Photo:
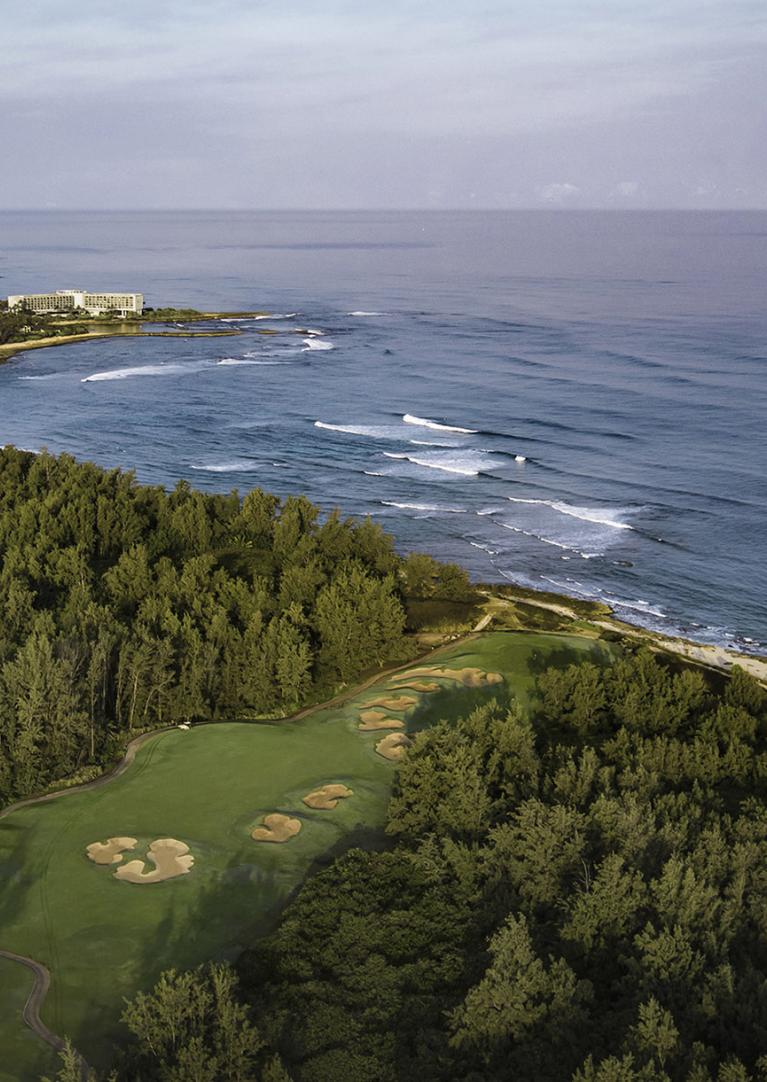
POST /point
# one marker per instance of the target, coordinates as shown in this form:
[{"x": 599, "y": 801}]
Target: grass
[
  {"x": 22, "y": 1054},
  {"x": 103, "y": 939}
]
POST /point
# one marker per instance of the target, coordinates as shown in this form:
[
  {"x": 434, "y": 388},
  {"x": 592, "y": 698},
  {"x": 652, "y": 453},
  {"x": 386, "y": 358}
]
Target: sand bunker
[
  {"x": 170, "y": 858},
  {"x": 393, "y": 746},
  {"x": 276, "y": 828},
  {"x": 110, "y": 852},
  {"x": 470, "y": 678},
  {"x": 421, "y": 687},
  {"x": 376, "y": 719},
  {"x": 399, "y": 702},
  {"x": 327, "y": 797}
]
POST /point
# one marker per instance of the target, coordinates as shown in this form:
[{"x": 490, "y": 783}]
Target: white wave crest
[
  {"x": 424, "y": 422},
  {"x": 601, "y": 516},
  {"x": 376, "y": 432},
  {"x": 468, "y": 465},
  {"x": 144, "y": 370},
  {"x": 237, "y": 362},
  {"x": 365, "y": 313},
  {"x": 314, "y": 343},
  {"x": 278, "y": 315},
  {"x": 549, "y": 541},
  {"x": 425, "y": 507},
  {"x": 240, "y": 466}
]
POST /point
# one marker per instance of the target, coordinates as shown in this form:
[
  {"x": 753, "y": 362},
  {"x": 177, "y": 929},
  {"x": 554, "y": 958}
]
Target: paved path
[{"x": 31, "y": 1012}]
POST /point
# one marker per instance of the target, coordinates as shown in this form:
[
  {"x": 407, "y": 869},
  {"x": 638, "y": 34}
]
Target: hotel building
[{"x": 65, "y": 300}]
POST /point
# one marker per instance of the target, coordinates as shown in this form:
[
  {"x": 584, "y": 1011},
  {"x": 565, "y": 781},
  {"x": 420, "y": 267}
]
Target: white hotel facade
[{"x": 65, "y": 300}]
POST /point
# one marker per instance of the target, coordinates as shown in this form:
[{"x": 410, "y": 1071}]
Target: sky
[{"x": 404, "y": 103}]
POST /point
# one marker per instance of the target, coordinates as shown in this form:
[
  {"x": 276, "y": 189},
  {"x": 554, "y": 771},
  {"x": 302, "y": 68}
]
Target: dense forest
[
  {"x": 576, "y": 897},
  {"x": 124, "y": 607}
]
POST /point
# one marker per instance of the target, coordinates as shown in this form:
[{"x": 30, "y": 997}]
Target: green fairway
[{"x": 103, "y": 939}]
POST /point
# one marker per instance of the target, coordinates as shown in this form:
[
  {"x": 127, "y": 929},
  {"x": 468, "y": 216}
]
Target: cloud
[{"x": 558, "y": 192}]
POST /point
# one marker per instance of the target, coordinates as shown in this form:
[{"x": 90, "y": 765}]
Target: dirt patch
[
  {"x": 110, "y": 851},
  {"x": 470, "y": 678},
  {"x": 393, "y": 746},
  {"x": 376, "y": 719},
  {"x": 170, "y": 858},
  {"x": 276, "y": 828},
  {"x": 327, "y": 796},
  {"x": 399, "y": 702}
]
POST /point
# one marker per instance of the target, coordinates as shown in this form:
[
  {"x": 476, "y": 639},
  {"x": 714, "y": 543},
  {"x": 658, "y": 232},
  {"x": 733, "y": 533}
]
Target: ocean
[{"x": 568, "y": 400}]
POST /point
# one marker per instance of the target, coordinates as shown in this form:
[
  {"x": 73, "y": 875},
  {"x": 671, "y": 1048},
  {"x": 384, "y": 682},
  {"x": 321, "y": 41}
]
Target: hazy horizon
[{"x": 228, "y": 105}]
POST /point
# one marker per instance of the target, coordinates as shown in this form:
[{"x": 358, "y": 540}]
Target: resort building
[{"x": 65, "y": 300}]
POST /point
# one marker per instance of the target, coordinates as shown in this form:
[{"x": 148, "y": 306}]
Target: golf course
[{"x": 196, "y": 846}]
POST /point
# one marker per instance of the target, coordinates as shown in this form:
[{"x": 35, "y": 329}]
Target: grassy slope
[{"x": 103, "y": 939}]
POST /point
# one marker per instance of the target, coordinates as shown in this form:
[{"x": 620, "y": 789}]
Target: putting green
[{"x": 103, "y": 939}]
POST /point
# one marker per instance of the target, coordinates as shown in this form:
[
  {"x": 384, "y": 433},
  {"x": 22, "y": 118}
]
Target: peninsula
[{"x": 36, "y": 321}]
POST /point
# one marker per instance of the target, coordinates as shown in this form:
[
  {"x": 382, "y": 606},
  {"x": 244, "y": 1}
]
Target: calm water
[{"x": 569, "y": 400}]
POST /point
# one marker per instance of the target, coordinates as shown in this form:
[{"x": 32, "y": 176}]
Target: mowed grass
[
  {"x": 103, "y": 939},
  {"x": 22, "y": 1053}
]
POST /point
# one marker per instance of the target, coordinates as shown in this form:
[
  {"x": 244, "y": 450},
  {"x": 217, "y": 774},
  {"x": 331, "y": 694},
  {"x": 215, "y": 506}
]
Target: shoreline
[
  {"x": 133, "y": 329},
  {"x": 599, "y": 617}
]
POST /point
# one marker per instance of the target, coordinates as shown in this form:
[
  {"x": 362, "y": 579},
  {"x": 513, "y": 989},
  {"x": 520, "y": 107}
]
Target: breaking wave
[
  {"x": 425, "y": 507},
  {"x": 424, "y": 422},
  {"x": 144, "y": 370},
  {"x": 365, "y": 313},
  {"x": 601, "y": 516},
  {"x": 466, "y": 464},
  {"x": 240, "y": 466},
  {"x": 314, "y": 343},
  {"x": 549, "y": 541}
]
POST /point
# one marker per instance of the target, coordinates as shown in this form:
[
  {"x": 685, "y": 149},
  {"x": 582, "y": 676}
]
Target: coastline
[
  {"x": 134, "y": 329},
  {"x": 596, "y": 618}
]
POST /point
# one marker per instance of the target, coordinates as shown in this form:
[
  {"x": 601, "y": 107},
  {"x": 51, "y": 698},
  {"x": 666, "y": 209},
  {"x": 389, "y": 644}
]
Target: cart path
[{"x": 31, "y": 1012}]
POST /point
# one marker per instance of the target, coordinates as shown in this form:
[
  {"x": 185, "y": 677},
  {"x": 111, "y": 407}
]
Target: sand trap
[
  {"x": 110, "y": 852},
  {"x": 170, "y": 858},
  {"x": 276, "y": 828},
  {"x": 399, "y": 702},
  {"x": 376, "y": 719},
  {"x": 327, "y": 797},
  {"x": 393, "y": 746},
  {"x": 470, "y": 678},
  {"x": 421, "y": 687}
]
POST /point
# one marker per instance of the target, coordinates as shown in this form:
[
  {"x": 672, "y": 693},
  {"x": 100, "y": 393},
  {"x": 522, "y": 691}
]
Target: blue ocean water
[{"x": 570, "y": 400}]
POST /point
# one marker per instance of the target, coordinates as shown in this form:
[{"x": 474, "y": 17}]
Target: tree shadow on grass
[{"x": 452, "y": 703}]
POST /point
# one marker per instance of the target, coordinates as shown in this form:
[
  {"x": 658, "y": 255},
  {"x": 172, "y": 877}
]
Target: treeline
[
  {"x": 124, "y": 607},
  {"x": 581, "y": 897},
  {"x": 577, "y": 898},
  {"x": 19, "y": 325}
]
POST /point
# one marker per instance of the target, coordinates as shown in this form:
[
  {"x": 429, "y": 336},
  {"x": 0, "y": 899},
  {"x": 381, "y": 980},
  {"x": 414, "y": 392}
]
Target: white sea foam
[
  {"x": 424, "y": 422},
  {"x": 365, "y": 313},
  {"x": 279, "y": 315},
  {"x": 379, "y": 432},
  {"x": 237, "y": 362},
  {"x": 314, "y": 343},
  {"x": 484, "y": 548},
  {"x": 601, "y": 516},
  {"x": 549, "y": 541},
  {"x": 520, "y": 458},
  {"x": 429, "y": 443},
  {"x": 144, "y": 370},
  {"x": 425, "y": 507},
  {"x": 464, "y": 463},
  {"x": 239, "y": 466}
]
